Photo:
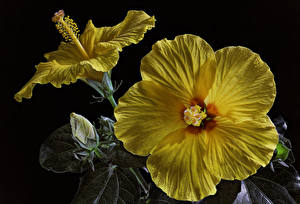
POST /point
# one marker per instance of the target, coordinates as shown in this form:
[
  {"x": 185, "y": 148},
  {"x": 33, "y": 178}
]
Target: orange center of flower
[{"x": 194, "y": 115}]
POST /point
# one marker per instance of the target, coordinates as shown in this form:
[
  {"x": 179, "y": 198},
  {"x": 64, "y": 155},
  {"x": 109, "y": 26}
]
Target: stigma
[
  {"x": 69, "y": 30},
  {"x": 194, "y": 115}
]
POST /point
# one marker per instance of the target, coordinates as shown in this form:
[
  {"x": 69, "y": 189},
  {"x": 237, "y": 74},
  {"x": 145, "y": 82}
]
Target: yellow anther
[
  {"x": 194, "y": 116},
  {"x": 69, "y": 30},
  {"x": 72, "y": 25}
]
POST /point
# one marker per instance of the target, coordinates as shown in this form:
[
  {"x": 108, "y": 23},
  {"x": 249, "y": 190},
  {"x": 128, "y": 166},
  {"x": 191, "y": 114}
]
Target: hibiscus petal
[
  {"x": 244, "y": 85},
  {"x": 67, "y": 53},
  {"x": 102, "y": 59},
  {"x": 130, "y": 30},
  {"x": 186, "y": 65},
  {"x": 176, "y": 166},
  {"x": 235, "y": 150},
  {"x": 56, "y": 74},
  {"x": 146, "y": 114}
]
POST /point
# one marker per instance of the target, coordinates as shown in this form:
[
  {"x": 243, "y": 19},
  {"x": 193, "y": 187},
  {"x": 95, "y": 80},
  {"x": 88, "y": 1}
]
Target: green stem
[
  {"x": 112, "y": 101},
  {"x": 140, "y": 179},
  {"x": 98, "y": 154}
]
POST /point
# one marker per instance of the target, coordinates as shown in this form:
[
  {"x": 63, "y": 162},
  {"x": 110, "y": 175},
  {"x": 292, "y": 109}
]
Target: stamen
[
  {"x": 194, "y": 116},
  {"x": 69, "y": 30}
]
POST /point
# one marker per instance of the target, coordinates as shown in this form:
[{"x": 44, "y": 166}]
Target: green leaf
[
  {"x": 57, "y": 152},
  {"x": 282, "y": 151},
  {"x": 108, "y": 184},
  {"x": 290, "y": 159},
  {"x": 121, "y": 157},
  {"x": 226, "y": 193}
]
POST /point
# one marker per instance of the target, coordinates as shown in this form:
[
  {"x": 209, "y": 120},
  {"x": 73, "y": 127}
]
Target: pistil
[
  {"x": 194, "y": 115},
  {"x": 66, "y": 27}
]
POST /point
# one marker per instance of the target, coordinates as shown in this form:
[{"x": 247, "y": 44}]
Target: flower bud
[{"x": 83, "y": 131}]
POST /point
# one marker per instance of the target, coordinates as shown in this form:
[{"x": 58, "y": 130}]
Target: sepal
[{"x": 105, "y": 88}]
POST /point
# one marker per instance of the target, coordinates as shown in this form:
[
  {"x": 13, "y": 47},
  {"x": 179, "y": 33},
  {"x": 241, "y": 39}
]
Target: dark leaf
[
  {"x": 285, "y": 173},
  {"x": 226, "y": 193},
  {"x": 291, "y": 158},
  {"x": 280, "y": 124},
  {"x": 129, "y": 188},
  {"x": 274, "y": 191},
  {"x": 57, "y": 152},
  {"x": 107, "y": 185},
  {"x": 251, "y": 194},
  {"x": 157, "y": 196},
  {"x": 106, "y": 126},
  {"x": 115, "y": 151},
  {"x": 261, "y": 190},
  {"x": 287, "y": 177},
  {"x": 121, "y": 157},
  {"x": 99, "y": 185},
  {"x": 243, "y": 196}
]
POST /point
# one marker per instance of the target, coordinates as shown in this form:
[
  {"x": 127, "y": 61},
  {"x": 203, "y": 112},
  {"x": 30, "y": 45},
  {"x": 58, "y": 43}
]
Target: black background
[{"x": 270, "y": 28}]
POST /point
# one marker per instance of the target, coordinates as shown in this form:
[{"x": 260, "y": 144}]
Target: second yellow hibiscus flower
[
  {"x": 200, "y": 115},
  {"x": 89, "y": 55}
]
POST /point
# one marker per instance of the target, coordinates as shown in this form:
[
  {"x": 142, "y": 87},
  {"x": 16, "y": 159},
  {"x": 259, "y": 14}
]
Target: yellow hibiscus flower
[
  {"x": 200, "y": 115},
  {"x": 89, "y": 55}
]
